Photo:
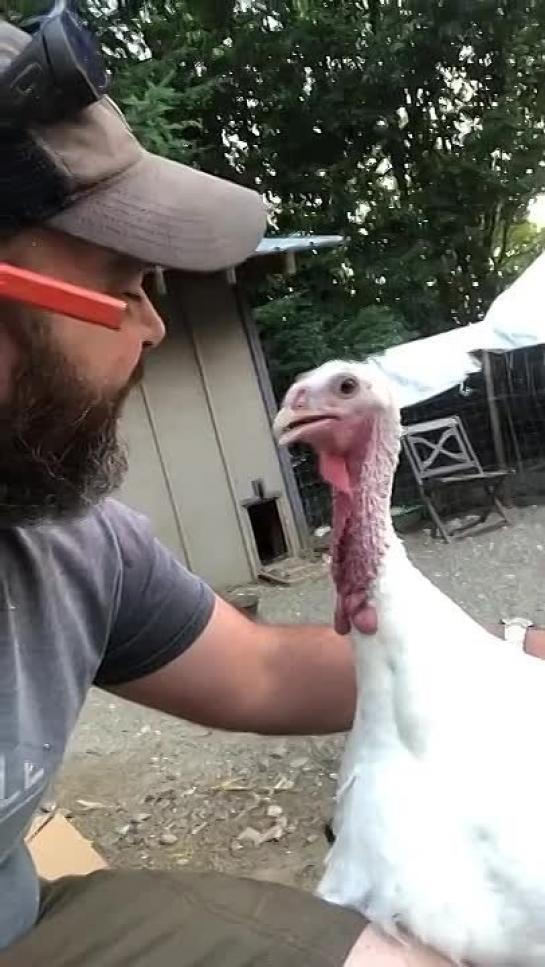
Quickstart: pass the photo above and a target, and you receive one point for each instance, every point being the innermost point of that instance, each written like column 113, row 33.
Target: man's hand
column 251, row 677
column 534, row 642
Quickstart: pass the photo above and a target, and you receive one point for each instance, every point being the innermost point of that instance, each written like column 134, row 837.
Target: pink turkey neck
column 360, row 518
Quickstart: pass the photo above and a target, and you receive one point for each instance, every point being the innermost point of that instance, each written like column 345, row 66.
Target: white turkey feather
column 440, row 818
column 440, row 822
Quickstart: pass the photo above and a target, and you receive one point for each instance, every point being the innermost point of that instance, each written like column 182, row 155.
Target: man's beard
column 59, row 452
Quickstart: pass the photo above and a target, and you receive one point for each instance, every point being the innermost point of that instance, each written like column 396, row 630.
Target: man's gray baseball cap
column 91, row 178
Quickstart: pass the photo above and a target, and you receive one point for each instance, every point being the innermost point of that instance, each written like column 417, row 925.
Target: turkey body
column 440, row 816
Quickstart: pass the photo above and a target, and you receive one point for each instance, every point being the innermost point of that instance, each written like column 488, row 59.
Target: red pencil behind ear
column 56, row 296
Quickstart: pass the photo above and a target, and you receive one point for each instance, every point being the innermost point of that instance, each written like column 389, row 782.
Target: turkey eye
column 348, row 386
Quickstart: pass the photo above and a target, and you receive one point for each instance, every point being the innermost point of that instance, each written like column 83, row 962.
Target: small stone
column 322, row 531
column 168, row 839
column 274, row 811
column 299, row 763
column 275, row 832
column 48, row 806
column 250, row 835
column 183, row 861
column 89, row 805
column 140, row 817
column 123, row 830
column 312, row 838
column 279, row 751
column 284, row 784
column 246, row 600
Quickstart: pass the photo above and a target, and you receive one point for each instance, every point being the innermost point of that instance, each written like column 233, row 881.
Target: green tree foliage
column 415, row 128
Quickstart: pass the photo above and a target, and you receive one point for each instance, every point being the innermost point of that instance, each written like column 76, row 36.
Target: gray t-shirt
column 92, row 601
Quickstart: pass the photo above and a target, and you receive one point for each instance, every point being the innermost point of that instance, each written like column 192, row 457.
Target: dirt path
column 153, row 791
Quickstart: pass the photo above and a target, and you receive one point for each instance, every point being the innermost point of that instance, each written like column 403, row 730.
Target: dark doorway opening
column 267, row 529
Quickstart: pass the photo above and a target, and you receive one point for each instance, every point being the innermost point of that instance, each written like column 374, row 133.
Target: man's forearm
column 314, row 662
column 247, row 676
column 312, row 671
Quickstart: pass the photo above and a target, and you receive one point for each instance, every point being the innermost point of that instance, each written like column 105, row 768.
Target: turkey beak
column 283, row 420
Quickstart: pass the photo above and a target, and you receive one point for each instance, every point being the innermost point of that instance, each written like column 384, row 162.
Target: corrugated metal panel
column 297, row 243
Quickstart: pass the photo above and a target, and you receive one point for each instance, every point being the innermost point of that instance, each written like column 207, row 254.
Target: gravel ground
column 152, row 791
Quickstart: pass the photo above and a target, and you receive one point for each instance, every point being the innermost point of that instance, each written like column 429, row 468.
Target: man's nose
column 153, row 324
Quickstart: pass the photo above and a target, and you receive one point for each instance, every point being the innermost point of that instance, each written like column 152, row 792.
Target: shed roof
column 282, row 244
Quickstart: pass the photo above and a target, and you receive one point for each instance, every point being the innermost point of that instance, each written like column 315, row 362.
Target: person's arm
column 252, row 677
column 374, row 949
column 535, row 642
column 174, row 645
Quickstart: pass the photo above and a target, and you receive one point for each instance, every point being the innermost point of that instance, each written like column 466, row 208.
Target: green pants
column 132, row 919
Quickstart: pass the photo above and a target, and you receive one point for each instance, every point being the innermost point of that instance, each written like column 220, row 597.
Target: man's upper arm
column 160, row 610
column 175, row 645
column 220, row 681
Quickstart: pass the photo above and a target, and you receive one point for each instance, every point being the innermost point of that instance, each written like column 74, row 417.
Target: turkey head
column 347, row 413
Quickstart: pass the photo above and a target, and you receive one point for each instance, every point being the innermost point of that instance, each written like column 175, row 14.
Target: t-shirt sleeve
column 160, row 607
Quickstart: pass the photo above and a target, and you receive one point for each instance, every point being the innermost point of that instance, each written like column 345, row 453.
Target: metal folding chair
column 440, row 454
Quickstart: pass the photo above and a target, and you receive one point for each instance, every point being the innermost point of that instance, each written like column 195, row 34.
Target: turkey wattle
column 440, row 816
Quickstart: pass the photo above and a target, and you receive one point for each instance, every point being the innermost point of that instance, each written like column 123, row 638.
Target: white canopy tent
column 423, row 368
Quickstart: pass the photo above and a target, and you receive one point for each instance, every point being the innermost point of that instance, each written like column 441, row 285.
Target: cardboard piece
column 58, row 849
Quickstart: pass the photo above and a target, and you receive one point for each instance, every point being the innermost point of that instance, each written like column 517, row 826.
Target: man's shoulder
column 109, row 520
column 107, row 536
column 119, row 520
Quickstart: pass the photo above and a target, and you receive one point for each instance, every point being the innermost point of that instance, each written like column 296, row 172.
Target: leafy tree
column 523, row 243
column 415, row 128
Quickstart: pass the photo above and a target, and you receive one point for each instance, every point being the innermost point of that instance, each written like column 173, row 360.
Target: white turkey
column 440, row 815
